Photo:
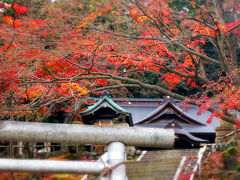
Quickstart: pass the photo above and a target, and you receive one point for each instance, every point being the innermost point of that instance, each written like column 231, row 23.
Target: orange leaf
column 8, row 19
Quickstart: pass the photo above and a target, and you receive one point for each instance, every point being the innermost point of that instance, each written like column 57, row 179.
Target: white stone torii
column 115, row 137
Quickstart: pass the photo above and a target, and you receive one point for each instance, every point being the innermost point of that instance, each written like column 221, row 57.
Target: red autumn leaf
column 209, row 120
column 17, row 23
column 220, row 115
column 8, row 19
column 193, row 84
column 19, row 9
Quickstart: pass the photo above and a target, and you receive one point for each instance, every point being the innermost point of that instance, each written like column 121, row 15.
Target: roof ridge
column 110, row 102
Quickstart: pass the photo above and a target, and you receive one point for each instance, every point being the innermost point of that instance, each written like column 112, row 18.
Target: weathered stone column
column 47, row 147
column 20, row 148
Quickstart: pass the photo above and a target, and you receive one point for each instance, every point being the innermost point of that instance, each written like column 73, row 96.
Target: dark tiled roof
column 140, row 111
column 168, row 104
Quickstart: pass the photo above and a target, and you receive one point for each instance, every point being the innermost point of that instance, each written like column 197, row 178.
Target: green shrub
column 232, row 150
column 225, row 154
column 231, row 143
column 238, row 168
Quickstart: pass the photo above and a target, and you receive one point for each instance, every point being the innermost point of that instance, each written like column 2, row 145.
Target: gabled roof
column 163, row 110
column 104, row 102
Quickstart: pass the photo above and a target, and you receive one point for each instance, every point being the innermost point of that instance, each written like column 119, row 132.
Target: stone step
column 154, row 164
column 157, row 175
column 192, row 151
column 169, row 156
column 153, row 169
column 157, row 165
column 151, row 177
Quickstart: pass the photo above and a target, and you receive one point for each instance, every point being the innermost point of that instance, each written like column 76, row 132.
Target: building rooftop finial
column 105, row 93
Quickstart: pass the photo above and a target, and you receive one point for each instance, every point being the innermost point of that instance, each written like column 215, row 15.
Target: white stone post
column 20, row 148
column 116, row 159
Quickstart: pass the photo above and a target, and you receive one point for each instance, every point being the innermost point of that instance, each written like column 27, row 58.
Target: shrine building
column 191, row 129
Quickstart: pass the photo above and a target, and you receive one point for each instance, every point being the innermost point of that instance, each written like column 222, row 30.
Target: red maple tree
column 78, row 47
